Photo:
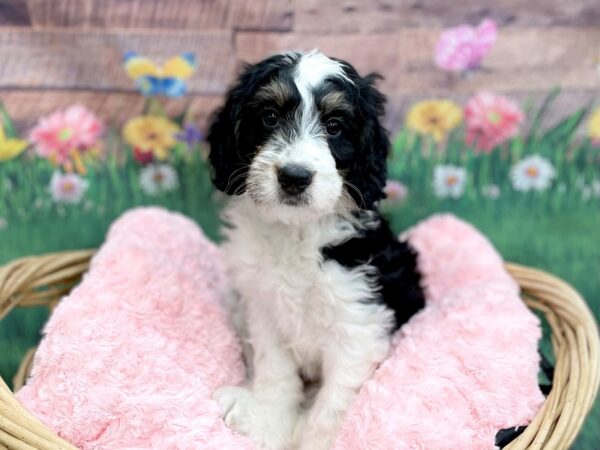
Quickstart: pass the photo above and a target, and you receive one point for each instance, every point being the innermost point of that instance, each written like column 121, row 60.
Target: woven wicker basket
column 42, row 280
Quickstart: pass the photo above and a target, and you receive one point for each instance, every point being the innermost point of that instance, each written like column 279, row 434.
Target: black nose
column 294, row 179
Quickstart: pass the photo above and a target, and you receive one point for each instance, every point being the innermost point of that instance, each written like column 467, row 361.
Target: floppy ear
column 229, row 155
column 368, row 172
column 224, row 156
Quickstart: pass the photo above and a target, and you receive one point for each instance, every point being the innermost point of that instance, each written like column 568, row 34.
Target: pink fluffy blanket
column 131, row 357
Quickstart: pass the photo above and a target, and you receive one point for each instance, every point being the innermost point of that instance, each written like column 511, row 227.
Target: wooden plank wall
column 56, row 52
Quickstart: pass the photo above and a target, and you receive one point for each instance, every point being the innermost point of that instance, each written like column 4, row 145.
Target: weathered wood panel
column 331, row 16
column 523, row 59
column 14, row 12
column 27, row 106
column 335, row 16
column 68, row 59
column 162, row 14
column 412, row 48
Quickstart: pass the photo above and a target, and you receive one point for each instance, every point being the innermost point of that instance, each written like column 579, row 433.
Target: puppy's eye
column 270, row 118
column 333, row 127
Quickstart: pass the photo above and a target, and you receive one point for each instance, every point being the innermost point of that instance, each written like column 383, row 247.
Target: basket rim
column 43, row 279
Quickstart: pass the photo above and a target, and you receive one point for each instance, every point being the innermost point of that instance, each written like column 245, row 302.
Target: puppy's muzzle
column 294, row 179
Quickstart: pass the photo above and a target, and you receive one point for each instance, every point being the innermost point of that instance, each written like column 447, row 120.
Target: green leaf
column 155, row 108
column 182, row 118
column 7, row 123
column 566, row 128
column 537, row 120
column 400, row 142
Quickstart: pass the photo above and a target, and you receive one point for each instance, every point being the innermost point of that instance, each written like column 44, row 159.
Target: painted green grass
column 556, row 230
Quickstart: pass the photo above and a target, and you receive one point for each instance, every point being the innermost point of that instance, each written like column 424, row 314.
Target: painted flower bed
column 492, row 151
column 486, row 150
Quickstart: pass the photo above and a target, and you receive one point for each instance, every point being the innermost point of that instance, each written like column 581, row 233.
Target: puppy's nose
column 294, row 179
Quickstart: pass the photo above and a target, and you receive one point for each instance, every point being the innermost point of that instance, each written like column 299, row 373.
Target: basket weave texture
column 42, row 280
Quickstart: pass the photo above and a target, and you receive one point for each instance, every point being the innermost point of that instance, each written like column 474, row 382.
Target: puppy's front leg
column 267, row 410
column 345, row 369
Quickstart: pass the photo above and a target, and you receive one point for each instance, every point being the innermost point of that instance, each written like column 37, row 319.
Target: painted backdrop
column 493, row 113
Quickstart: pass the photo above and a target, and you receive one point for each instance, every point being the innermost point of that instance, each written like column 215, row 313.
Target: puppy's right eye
column 270, row 119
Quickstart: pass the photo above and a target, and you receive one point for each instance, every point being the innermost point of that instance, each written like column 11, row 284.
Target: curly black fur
column 396, row 264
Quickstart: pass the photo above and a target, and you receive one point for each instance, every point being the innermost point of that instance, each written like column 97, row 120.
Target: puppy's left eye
column 270, row 118
column 333, row 127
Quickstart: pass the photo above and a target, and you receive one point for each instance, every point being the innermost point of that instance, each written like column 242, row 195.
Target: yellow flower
column 10, row 148
column 151, row 134
column 434, row 117
column 594, row 126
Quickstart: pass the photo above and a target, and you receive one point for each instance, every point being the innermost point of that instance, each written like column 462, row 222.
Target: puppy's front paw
column 233, row 401
column 315, row 433
column 269, row 425
column 324, row 442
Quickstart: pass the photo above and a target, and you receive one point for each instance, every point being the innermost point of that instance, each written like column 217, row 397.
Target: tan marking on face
column 334, row 101
column 275, row 91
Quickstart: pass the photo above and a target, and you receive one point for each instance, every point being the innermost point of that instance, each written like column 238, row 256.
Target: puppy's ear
column 369, row 170
column 225, row 158
column 229, row 154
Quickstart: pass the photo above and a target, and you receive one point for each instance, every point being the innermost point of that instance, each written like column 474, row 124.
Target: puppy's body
column 320, row 278
column 306, row 296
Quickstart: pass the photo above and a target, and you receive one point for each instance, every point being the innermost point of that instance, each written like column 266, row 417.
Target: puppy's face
column 300, row 135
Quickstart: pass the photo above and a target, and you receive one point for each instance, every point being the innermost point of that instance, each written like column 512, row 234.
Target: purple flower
column 190, row 134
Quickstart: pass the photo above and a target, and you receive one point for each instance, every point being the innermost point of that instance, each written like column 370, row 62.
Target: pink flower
column 395, row 191
column 491, row 119
column 60, row 135
column 464, row 47
column 67, row 188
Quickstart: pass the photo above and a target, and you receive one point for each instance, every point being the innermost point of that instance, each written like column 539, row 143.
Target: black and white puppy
column 321, row 280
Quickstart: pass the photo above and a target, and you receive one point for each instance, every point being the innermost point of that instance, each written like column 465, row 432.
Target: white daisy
column 490, row 191
column 67, row 187
column 532, row 173
column 595, row 188
column 157, row 178
column 591, row 191
column 449, row 181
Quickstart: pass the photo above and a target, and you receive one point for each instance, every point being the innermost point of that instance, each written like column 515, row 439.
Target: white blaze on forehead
column 307, row 148
column 313, row 68
column 311, row 71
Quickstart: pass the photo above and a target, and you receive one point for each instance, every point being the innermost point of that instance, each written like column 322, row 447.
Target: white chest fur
column 279, row 272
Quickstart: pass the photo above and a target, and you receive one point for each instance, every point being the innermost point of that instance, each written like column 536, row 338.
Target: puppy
column 321, row 281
